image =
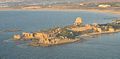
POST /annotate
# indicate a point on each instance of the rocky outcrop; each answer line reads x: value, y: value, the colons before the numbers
x: 111, y: 29
x: 68, y: 34
x: 26, y: 35
x: 16, y: 37
x: 42, y: 37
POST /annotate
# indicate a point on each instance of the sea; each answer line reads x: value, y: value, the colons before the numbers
x: 104, y: 46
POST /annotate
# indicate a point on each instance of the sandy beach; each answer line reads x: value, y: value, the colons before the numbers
x: 65, y: 9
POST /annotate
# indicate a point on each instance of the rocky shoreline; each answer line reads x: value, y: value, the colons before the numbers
x: 65, y: 41
x: 68, y: 34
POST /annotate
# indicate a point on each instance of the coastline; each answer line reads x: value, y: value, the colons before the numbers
x: 68, y: 34
x: 63, y: 9
x: 66, y: 41
x: 61, y: 42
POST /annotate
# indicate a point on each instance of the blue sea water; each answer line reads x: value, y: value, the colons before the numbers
x: 106, y: 46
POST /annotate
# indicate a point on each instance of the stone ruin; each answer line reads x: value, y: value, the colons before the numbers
x: 78, y: 21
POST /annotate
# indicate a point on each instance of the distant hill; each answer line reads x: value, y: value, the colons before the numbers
x: 59, y: 0
x: 46, y: 2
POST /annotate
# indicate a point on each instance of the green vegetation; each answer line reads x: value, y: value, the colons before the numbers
x: 67, y: 33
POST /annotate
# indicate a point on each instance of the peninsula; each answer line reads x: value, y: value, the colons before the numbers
x: 67, y: 34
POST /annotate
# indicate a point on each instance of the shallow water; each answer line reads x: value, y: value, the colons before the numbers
x: 101, y: 47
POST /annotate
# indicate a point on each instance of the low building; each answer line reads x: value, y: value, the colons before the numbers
x: 81, y: 4
x: 78, y: 29
x: 104, y: 6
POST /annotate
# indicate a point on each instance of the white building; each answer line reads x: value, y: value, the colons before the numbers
x: 81, y: 4
x: 104, y: 6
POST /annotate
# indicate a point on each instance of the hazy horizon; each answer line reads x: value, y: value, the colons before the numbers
x: 60, y: 0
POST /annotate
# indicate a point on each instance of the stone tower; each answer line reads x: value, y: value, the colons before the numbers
x: 78, y: 21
